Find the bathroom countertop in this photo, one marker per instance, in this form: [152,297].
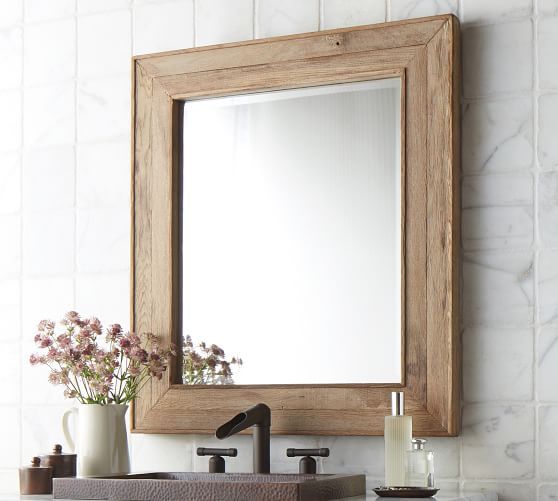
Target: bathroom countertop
[486,496]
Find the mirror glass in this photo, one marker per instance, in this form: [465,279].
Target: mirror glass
[291,236]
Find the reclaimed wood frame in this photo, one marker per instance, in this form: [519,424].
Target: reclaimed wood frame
[425,54]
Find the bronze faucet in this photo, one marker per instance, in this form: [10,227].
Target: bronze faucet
[259,417]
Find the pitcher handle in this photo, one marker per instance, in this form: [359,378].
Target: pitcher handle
[66,428]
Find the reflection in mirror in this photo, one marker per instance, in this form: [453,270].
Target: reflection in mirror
[291,236]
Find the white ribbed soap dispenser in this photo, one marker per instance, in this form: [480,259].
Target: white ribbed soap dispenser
[398,431]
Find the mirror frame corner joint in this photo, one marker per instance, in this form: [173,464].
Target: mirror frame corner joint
[425,54]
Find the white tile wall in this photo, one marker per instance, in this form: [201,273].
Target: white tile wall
[64,195]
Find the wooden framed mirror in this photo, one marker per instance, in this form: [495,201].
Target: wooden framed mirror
[180,149]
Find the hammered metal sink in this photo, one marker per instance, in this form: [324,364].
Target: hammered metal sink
[211,487]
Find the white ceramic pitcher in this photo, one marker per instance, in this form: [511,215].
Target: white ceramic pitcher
[101,439]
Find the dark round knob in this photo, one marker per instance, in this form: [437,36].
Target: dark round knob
[57,449]
[36,461]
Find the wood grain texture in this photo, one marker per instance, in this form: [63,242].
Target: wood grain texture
[425,54]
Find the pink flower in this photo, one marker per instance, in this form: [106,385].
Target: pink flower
[64,340]
[95,325]
[45,325]
[72,317]
[139,354]
[45,342]
[134,370]
[70,393]
[113,332]
[124,342]
[34,359]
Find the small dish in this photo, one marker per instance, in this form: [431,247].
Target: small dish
[405,492]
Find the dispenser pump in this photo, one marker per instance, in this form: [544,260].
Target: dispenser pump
[397,403]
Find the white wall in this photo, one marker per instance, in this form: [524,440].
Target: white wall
[64,170]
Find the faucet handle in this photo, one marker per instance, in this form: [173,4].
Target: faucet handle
[216,462]
[206,451]
[323,452]
[307,464]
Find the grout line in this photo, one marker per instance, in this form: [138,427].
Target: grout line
[254,17]
[321,8]
[132,28]
[76,104]
[194,23]
[536,237]
[21,227]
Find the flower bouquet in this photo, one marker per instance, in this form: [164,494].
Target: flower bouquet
[96,368]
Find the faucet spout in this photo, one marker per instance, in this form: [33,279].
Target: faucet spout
[258,417]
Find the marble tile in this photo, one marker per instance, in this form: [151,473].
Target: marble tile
[163,26]
[107,55]
[40,167]
[10,384]
[161,452]
[11,55]
[497,364]
[10,125]
[89,6]
[497,58]
[50,52]
[42,428]
[9,437]
[498,288]
[548,286]
[48,242]
[103,243]
[548,63]
[49,115]
[446,459]
[104,109]
[344,13]
[548,7]
[406,9]
[354,455]
[10,179]
[485,228]
[547,360]
[285,17]
[508,190]
[548,124]
[222,21]
[12,13]
[548,208]
[239,464]
[548,492]
[548,441]
[46,297]
[517,491]
[10,309]
[497,212]
[480,11]
[39,10]
[10,250]
[106,296]
[103,175]
[498,441]
[497,136]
